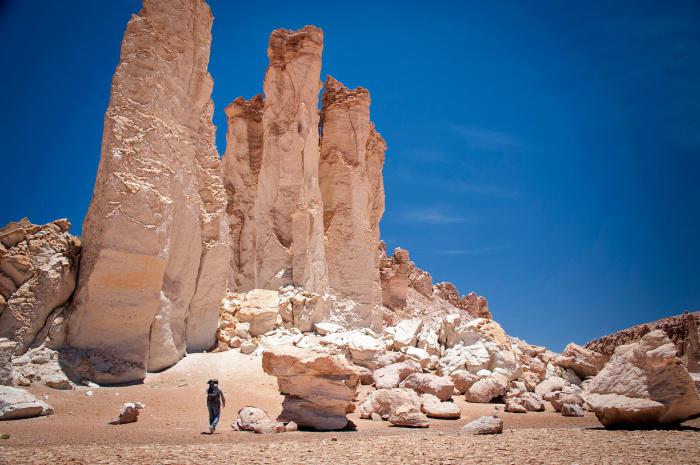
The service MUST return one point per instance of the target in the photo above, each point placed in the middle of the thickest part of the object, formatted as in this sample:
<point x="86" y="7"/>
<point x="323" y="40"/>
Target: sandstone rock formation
<point x="38" y="270"/>
<point x="277" y="230"/>
<point x="155" y="248"/>
<point x="319" y="388"/>
<point x="643" y="383"/>
<point x="352" y="190"/>
<point x="394" y="273"/>
<point x="17" y="403"/>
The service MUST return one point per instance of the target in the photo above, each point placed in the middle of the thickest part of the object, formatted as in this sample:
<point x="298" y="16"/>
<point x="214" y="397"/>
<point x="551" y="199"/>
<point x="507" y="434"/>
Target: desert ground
<point x="172" y="429"/>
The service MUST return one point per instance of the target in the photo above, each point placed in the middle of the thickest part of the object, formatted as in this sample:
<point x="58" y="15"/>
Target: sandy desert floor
<point x="171" y="430"/>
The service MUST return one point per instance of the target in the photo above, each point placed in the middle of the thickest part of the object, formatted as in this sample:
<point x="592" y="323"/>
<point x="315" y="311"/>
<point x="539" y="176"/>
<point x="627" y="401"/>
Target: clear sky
<point x="543" y="154"/>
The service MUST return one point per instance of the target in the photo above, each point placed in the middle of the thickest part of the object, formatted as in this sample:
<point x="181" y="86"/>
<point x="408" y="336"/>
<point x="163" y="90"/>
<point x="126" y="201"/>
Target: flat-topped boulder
<point x="319" y="388"/>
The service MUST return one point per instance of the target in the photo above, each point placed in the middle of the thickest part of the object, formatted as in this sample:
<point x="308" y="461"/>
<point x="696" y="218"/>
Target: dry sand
<point x="170" y="430"/>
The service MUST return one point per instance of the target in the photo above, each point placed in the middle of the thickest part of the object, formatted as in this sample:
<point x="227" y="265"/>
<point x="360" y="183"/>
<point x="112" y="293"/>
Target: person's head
<point x="213" y="381"/>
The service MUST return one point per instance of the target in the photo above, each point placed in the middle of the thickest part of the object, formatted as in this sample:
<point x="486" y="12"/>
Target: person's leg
<point x="216" y="413"/>
<point x="210" y="407"/>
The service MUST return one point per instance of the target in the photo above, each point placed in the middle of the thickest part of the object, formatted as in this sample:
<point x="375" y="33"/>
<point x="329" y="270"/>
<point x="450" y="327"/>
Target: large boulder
<point x="38" y="272"/>
<point x="427" y="383"/>
<point x="463" y="380"/>
<point x="301" y="309"/>
<point x="319" y="388"/>
<point x="406" y="333"/>
<point x="490" y="424"/>
<point x="584" y="362"/>
<point x="551" y="384"/>
<point x="487" y="389"/>
<point x="434" y="408"/>
<point x="384" y="402"/>
<point x="17" y="403"/>
<point x="359" y="345"/>
<point x="408" y="416"/>
<point x="643" y="383"/>
<point x="258" y="421"/>
<point x="391" y="375"/>
<point x="259" y="308"/>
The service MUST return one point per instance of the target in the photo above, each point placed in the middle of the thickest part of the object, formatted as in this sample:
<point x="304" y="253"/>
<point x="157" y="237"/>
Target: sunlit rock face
<point x="155" y="242"/>
<point x="352" y="156"/>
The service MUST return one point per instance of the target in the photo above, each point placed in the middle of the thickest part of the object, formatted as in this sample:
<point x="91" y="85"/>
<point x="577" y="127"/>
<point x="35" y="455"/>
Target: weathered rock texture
<point x="350" y="177"/>
<point x="643" y="383"/>
<point x="153" y="267"/>
<point x="272" y="174"/>
<point x="319" y="388"/>
<point x="682" y="330"/>
<point x="38" y="270"/>
<point x="17" y="403"/>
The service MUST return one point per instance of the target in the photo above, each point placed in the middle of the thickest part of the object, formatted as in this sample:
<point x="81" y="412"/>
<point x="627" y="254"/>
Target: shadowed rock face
<point x="38" y="268"/>
<point x="352" y="156"/>
<point x="153" y="268"/>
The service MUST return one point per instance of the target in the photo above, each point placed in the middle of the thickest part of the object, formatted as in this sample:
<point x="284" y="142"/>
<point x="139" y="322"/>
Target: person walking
<point x="215" y="401"/>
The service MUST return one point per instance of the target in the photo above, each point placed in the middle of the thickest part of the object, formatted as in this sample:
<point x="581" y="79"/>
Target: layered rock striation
<point x="155" y="248"/>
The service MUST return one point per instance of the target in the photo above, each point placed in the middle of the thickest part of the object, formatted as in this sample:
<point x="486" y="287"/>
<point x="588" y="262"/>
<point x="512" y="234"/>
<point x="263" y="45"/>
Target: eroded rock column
<point x="155" y="247"/>
<point x="288" y="212"/>
<point x="352" y="156"/>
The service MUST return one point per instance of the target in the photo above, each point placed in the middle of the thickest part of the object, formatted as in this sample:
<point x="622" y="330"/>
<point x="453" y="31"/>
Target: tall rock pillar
<point x="155" y="247"/>
<point x="350" y="177"/>
<point x="288" y="230"/>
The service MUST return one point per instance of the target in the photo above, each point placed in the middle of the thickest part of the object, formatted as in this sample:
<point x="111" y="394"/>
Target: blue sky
<point x="543" y="154"/>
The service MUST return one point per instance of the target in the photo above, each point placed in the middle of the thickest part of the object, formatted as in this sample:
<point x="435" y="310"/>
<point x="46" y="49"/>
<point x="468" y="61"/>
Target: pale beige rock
<point x="259" y="308"/>
<point x="391" y="375"/>
<point x="384" y="402"/>
<point x="258" y="421"/>
<point x="405" y="333"/>
<point x="644" y="382"/>
<point x="418" y="355"/>
<point x="352" y="156"/>
<point x="512" y="405"/>
<point x="584" y="362"/>
<point x="551" y="384"/>
<point x="389" y="358"/>
<point x="17" y="403"/>
<point x="427" y="383"/>
<point x="360" y="347"/>
<point x="487" y="389"/>
<point x="128" y="413"/>
<point x="301" y="309"/>
<point x="561" y="398"/>
<point x="319" y="388"/>
<point x="38" y="270"/>
<point x="287" y="229"/>
<point x="434" y="408"/>
<point x="571" y="410"/>
<point x="408" y="416"/>
<point x="484" y="425"/>
<point x="463" y="380"/>
<point x="155" y="248"/>
<point x="248" y="347"/>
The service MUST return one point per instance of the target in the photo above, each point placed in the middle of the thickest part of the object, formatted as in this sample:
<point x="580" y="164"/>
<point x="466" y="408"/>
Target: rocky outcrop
<point x="38" y="272"/>
<point x="643" y="383"/>
<point x="17" y="403"/>
<point x="155" y="248"/>
<point x="319" y="388"/>
<point x="352" y="190"/>
<point x="679" y="329"/>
